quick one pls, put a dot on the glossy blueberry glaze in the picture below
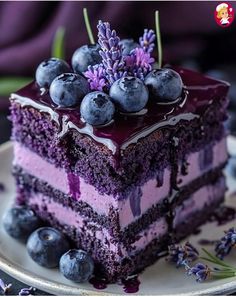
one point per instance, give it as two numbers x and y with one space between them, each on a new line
199 92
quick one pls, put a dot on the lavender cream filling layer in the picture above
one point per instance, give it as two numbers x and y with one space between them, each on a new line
140 200
202 198
66 216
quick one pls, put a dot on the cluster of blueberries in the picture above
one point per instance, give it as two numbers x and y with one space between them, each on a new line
47 246
69 88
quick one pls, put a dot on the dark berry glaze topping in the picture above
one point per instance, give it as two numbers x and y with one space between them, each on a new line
199 92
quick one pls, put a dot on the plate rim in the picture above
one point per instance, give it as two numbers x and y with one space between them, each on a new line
53 287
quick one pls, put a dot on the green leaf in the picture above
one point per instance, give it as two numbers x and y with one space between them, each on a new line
12 84
58 46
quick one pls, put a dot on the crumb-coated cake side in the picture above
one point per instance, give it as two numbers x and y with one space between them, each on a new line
123 158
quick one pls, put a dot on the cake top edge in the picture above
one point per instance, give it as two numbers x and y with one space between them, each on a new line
115 92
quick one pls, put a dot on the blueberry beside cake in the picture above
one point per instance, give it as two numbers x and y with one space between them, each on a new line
123 158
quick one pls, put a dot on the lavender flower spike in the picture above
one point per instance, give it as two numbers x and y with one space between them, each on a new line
201 271
96 76
224 246
111 52
182 255
147 40
4 287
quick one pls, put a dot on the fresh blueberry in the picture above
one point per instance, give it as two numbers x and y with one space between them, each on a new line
77 265
128 45
19 222
97 108
68 89
84 56
46 245
165 85
129 94
50 69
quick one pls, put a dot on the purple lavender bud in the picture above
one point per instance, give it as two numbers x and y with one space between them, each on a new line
4 287
147 40
176 255
139 63
26 291
201 271
225 244
111 53
182 255
191 252
96 76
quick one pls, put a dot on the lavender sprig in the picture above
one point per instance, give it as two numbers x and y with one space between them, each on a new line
96 76
111 52
4 287
27 291
147 40
182 255
225 244
203 272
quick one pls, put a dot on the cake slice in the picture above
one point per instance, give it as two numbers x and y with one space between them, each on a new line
124 191
124 159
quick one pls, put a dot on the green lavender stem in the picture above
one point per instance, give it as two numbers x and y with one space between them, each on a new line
58 46
213 259
158 34
88 26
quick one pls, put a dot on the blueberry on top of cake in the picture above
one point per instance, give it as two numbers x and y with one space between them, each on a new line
121 155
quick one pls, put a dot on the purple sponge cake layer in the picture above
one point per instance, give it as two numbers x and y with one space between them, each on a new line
153 138
124 191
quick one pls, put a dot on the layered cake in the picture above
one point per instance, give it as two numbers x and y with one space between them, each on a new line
124 189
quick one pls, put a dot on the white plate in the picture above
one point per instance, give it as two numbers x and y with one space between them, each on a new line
159 279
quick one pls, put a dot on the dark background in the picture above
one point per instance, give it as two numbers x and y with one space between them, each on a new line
190 35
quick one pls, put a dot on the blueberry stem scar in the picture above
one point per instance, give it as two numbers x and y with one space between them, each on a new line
88 27
58 46
158 33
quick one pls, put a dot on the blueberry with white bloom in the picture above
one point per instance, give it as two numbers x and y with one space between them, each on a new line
19 222
97 108
50 69
68 89
77 265
165 85
129 94
84 56
46 245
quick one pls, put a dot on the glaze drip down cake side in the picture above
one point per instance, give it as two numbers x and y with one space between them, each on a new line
126 190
